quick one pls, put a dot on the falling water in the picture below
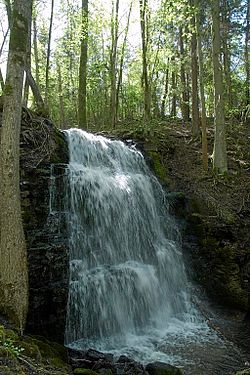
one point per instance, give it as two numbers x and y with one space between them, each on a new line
128 286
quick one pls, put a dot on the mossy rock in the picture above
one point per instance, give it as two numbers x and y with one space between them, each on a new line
54 353
30 350
159 168
244 372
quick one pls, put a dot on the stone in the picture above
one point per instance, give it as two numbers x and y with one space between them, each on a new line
161 368
46 237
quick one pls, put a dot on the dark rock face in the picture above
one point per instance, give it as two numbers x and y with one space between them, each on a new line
160 368
102 363
44 148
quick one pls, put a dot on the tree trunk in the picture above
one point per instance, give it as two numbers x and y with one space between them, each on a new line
195 97
119 83
219 152
82 91
247 54
174 95
1 80
9 11
46 99
226 54
184 91
13 265
145 79
165 94
113 61
202 92
28 66
36 93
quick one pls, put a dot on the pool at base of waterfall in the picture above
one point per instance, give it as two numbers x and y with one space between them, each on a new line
194 347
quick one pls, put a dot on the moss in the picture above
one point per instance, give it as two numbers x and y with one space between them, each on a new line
244 372
158 167
30 350
8 89
54 353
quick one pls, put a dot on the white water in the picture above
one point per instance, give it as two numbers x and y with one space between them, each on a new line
129 293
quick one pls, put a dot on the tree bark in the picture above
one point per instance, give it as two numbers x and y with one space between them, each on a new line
36 93
174 94
219 152
28 66
165 94
247 84
82 90
226 54
13 265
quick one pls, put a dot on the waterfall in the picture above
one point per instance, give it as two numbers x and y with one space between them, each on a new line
126 268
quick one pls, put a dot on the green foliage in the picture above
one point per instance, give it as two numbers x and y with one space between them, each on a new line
8 346
12 349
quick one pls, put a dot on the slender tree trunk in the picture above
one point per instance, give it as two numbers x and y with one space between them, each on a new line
202 92
82 91
226 54
13 265
195 97
247 54
145 78
185 96
46 100
9 11
28 66
36 93
1 80
174 95
219 152
119 83
165 94
113 61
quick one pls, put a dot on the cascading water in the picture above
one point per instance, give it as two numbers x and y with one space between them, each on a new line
128 288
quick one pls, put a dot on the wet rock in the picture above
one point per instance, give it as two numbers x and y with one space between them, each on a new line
161 368
46 237
103 363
